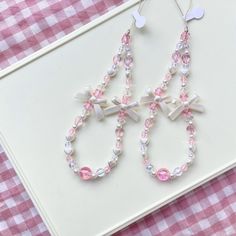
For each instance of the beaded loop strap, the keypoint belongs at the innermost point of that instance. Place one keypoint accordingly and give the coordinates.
(157, 100)
(94, 102)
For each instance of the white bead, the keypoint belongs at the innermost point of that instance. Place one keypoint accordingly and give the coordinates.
(112, 72)
(117, 151)
(68, 148)
(100, 172)
(184, 71)
(177, 171)
(172, 70)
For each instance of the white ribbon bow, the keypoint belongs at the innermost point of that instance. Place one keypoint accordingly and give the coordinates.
(98, 103)
(119, 106)
(191, 104)
(160, 100)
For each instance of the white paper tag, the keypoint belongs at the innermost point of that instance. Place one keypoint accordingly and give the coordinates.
(196, 13)
(140, 21)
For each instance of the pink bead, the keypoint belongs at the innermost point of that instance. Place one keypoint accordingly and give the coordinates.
(78, 121)
(122, 115)
(128, 61)
(176, 56)
(107, 169)
(185, 36)
(146, 161)
(192, 141)
(126, 38)
(159, 92)
(184, 167)
(71, 134)
(118, 145)
(168, 77)
(97, 93)
(117, 59)
(153, 106)
(119, 132)
(107, 80)
(144, 134)
(69, 158)
(183, 96)
(149, 123)
(163, 174)
(187, 113)
(85, 173)
(126, 99)
(184, 79)
(186, 58)
(191, 129)
(88, 106)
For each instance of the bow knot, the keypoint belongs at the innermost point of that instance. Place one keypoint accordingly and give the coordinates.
(160, 100)
(119, 106)
(192, 104)
(98, 103)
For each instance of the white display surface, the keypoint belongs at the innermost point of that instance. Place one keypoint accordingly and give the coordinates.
(37, 108)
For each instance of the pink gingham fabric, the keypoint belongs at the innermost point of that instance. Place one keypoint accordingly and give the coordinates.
(26, 26)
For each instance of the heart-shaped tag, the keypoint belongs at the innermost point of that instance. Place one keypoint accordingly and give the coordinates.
(196, 13)
(140, 21)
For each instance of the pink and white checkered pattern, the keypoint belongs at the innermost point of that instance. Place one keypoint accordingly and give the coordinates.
(28, 25)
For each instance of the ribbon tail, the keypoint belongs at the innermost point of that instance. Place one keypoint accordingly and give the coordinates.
(197, 107)
(99, 112)
(195, 98)
(133, 115)
(164, 108)
(174, 114)
(111, 110)
(146, 99)
(167, 99)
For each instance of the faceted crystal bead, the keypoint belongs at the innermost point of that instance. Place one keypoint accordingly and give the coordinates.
(128, 61)
(100, 172)
(183, 96)
(184, 167)
(149, 123)
(176, 56)
(159, 92)
(117, 59)
(185, 36)
(119, 132)
(191, 129)
(177, 171)
(126, 38)
(153, 106)
(88, 106)
(163, 174)
(186, 58)
(85, 173)
(78, 121)
(97, 93)
(71, 135)
(184, 70)
(68, 148)
(107, 169)
(72, 164)
(143, 148)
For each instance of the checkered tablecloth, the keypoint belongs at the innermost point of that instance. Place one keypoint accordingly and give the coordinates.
(28, 25)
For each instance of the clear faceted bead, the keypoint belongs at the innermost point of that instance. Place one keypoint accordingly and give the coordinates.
(68, 148)
(177, 171)
(100, 172)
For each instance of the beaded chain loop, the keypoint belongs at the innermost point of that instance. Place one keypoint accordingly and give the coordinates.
(94, 102)
(157, 100)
